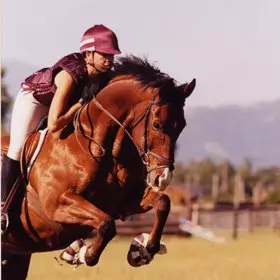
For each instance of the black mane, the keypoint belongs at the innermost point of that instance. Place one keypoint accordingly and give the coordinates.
(146, 74)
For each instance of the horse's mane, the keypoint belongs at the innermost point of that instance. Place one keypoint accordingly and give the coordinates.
(145, 73)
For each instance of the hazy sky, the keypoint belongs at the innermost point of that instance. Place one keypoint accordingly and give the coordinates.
(232, 47)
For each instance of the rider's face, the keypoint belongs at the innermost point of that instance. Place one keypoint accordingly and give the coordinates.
(102, 62)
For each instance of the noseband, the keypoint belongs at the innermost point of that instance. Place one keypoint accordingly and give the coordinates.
(145, 152)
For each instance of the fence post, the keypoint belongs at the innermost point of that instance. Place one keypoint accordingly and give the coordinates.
(195, 213)
(215, 187)
(251, 218)
(235, 220)
(238, 196)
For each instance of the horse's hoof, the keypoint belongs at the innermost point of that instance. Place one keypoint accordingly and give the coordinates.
(71, 254)
(138, 254)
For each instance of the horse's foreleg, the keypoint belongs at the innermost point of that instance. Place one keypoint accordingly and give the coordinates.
(77, 252)
(74, 209)
(161, 204)
(103, 238)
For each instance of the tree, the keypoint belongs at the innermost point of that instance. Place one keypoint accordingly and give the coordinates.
(206, 168)
(226, 171)
(179, 174)
(274, 196)
(246, 171)
(6, 100)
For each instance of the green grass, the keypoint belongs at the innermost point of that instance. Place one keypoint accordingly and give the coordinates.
(251, 257)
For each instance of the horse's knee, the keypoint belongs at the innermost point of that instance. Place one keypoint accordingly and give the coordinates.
(163, 203)
(107, 227)
(105, 232)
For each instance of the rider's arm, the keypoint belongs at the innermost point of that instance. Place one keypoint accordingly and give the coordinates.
(59, 116)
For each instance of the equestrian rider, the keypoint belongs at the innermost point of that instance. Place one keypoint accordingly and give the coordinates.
(53, 92)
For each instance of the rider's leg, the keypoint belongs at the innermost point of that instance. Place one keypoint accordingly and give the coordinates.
(27, 113)
(9, 173)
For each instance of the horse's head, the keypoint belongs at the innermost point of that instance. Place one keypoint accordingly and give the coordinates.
(163, 123)
(159, 118)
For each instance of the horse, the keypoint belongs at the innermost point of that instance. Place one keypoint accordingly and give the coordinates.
(113, 161)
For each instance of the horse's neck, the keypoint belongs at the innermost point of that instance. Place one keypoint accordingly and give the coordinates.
(116, 107)
(111, 108)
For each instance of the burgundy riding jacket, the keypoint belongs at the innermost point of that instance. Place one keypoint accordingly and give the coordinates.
(41, 83)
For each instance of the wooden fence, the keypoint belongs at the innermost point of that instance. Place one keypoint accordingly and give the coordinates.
(249, 219)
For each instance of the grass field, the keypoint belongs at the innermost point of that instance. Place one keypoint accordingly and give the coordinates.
(251, 257)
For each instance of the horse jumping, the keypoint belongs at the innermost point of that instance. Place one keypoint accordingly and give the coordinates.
(115, 160)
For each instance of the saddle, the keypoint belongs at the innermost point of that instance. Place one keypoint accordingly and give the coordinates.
(30, 151)
(30, 144)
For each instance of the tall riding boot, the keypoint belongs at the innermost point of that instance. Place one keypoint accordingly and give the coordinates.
(10, 171)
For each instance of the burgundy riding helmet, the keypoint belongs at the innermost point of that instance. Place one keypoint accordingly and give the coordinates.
(100, 38)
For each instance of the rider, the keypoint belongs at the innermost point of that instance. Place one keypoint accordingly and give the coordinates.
(53, 92)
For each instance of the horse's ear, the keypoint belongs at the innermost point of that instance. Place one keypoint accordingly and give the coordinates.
(188, 88)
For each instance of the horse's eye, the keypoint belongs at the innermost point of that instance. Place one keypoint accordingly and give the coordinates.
(156, 125)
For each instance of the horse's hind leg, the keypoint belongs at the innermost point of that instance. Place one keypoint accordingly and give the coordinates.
(74, 209)
(15, 266)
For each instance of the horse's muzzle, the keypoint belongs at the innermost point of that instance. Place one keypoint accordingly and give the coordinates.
(159, 179)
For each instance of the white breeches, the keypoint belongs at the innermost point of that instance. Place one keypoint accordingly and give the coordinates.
(26, 116)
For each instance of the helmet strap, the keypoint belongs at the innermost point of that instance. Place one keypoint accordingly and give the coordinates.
(91, 63)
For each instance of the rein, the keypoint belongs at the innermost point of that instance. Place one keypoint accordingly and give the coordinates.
(79, 129)
(145, 153)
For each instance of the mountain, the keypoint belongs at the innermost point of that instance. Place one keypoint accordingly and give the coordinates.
(227, 132)
(232, 132)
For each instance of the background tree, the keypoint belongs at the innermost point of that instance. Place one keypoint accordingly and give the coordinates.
(179, 174)
(246, 172)
(6, 101)
(206, 168)
(226, 171)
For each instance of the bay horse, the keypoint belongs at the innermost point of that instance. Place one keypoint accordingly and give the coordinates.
(115, 160)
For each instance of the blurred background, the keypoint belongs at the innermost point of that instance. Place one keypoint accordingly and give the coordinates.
(227, 175)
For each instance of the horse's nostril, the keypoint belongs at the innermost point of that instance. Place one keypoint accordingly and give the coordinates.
(157, 181)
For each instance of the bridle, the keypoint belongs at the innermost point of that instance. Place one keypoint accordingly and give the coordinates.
(144, 152)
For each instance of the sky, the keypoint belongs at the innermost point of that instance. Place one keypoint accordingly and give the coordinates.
(232, 47)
